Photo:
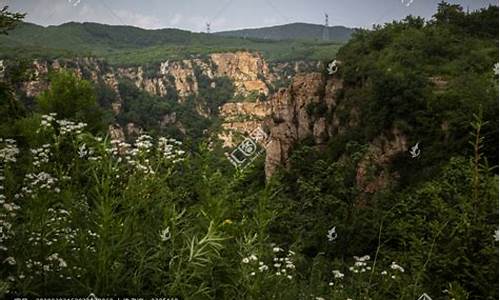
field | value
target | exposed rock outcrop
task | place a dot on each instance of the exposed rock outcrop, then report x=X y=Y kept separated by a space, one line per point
x=296 y=116
x=241 y=119
x=85 y=68
x=308 y=109
x=248 y=71
x=372 y=172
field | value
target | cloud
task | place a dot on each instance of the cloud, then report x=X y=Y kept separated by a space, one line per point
x=139 y=20
x=176 y=20
x=50 y=12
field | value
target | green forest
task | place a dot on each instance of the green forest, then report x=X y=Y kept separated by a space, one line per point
x=167 y=215
x=127 y=45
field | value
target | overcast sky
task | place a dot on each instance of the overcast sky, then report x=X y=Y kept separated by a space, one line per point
x=226 y=14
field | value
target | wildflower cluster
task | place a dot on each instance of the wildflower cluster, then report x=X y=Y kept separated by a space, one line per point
x=38 y=182
x=282 y=265
x=8 y=152
x=138 y=155
x=66 y=127
x=52 y=264
x=41 y=155
x=69 y=127
x=166 y=147
x=48 y=120
x=394 y=269
x=58 y=233
x=360 y=264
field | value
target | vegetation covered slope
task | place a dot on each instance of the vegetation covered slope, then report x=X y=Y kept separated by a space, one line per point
x=81 y=214
x=436 y=84
x=294 y=31
x=126 y=45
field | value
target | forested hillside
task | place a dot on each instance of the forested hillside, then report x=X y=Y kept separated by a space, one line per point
x=300 y=31
x=384 y=181
x=127 y=45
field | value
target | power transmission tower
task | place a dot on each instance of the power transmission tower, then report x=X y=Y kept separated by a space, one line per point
x=326 y=35
x=208 y=28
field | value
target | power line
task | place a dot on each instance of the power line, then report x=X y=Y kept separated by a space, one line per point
x=287 y=20
x=112 y=12
x=220 y=11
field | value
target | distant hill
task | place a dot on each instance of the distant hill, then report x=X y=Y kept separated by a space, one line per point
x=78 y=36
x=294 y=31
x=133 y=45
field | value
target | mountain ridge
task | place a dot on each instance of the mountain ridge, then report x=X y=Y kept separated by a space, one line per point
x=297 y=30
x=127 y=44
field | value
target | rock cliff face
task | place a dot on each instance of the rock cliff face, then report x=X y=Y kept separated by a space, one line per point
x=295 y=117
x=308 y=108
x=248 y=71
x=241 y=119
x=87 y=68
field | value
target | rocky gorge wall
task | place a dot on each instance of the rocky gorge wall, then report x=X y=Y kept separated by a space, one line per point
x=306 y=107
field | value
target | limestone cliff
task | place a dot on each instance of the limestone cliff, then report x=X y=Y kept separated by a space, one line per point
x=308 y=108
x=294 y=118
x=248 y=71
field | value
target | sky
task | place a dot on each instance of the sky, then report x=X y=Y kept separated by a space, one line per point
x=227 y=14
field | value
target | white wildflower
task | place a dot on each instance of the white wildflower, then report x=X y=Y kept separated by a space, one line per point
x=10 y=260
x=395 y=266
x=338 y=274
x=263 y=268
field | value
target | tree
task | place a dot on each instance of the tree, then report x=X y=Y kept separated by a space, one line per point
x=449 y=14
x=71 y=98
x=9 y=20
x=10 y=108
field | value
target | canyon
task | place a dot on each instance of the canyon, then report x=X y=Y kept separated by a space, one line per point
x=298 y=100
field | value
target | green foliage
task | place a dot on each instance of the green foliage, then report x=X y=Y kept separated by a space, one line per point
x=142 y=108
x=71 y=98
x=9 y=20
x=294 y=31
x=131 y=46
x=158 y=218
